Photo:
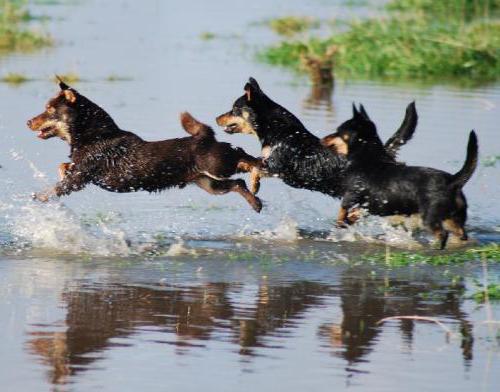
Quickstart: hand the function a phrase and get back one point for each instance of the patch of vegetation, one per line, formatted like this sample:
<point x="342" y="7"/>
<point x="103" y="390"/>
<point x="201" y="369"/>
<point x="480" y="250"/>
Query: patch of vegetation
<point x="466" y="9"/>
<point x="489" y="252"/>
<point x="289" y="26"/>
<point x="491" y="160"/>
<point x="70" y="77"/>
<point x="207" y="36"/>
<point x="463" y="43"/>
<point x="117" y="78"/>
<point x="15" y="78"/>
<point x="491" y="291"/>
<point x="14" y="36"/>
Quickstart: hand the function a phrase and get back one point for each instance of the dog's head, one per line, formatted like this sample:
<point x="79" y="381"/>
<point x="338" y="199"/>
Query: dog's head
<point x="354" y="134"/>
<point x="57" y="117"/>
<point x="242" y="118"/>
<point x="70" y="116"/>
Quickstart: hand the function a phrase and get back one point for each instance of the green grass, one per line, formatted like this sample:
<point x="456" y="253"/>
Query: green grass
<point x="14" y="35"/>
<point x="492" y="292"/>
<point x="443" y="9"/>
<point x="289" y="26"/>
<point x="491" y="160"/>
<point x="15" y="78"/>
<point x="463" y="46"/>
<point x="70" y="77"/>
<point x="117" y="78"/>
<point x="489" y="252"/>
<point x="207" y="36"/>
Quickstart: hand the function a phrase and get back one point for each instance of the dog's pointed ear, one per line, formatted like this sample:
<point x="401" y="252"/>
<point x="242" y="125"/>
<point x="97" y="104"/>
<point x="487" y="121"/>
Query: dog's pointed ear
<point x="252" y="88"/>
<point x="63" y="86"/>
<point x="363" y="112"/>
<point x="70" y="95"/>
<point x="355" y="112"/>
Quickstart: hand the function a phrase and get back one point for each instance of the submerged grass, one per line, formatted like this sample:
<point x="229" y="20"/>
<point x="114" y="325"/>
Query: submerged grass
<point x="461" y="43"/>
<point x="489" y="252"/>
<point x="14" y="36"/>
<point x="491" y="293"/>
<point x="289" y="26"/>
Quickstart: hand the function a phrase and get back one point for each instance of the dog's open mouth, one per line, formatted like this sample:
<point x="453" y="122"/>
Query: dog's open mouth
<point x="231" y="128"/>
<point x="46" y="132"/>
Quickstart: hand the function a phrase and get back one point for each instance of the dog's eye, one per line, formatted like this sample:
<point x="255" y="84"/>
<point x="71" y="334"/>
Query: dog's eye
<point x="50" y="109"/>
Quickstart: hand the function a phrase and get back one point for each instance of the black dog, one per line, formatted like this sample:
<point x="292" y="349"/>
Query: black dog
<point x="374" y="181"/>
<point x="120" y="161"/>
<point x="289" y="150"/>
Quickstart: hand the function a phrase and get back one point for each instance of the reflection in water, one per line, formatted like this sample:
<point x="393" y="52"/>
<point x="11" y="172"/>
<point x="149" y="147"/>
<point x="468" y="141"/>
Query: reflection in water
<point x="96" y="315"/>
<point x="246" y="317"/>
<point x="320" y="98"/>
<point x="366" y="301"/>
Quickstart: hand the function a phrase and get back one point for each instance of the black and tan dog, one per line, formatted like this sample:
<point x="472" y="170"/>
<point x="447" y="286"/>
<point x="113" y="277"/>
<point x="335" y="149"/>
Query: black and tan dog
<point x="289" y="150"/>
<point x="120" y="161"/>
<point x="374" y="181"/>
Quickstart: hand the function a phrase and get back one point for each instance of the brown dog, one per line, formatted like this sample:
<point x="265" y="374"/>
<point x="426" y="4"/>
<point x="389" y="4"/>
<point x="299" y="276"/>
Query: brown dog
<point x="120" y="161"/>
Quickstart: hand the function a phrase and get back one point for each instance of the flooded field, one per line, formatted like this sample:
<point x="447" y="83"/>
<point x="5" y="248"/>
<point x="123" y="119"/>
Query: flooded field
<point x="126" y="292"/>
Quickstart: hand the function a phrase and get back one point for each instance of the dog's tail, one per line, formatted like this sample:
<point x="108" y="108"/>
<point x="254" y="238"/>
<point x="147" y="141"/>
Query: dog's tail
<point x="460" y="178"/>
<point x="194" y="127"/>
<point x="405" y="131"/>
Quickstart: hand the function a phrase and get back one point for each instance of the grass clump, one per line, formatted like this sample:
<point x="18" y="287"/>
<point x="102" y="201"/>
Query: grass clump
<point x="289" y="26"/>
<point x="489" y="252"/>
<point x="491" y="160"/>
<point x="15" y="78"/>
<point x="462" y="44"/>
<point x="70" y="77"/>
<point x="207" y="36"/>
<point x="14" y="36"/>
<point x="490" y="292"/>
<point x="117" y="78"/>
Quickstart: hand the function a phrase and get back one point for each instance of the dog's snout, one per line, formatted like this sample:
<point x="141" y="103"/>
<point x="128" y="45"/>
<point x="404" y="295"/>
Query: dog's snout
<point x="29" y="123"/>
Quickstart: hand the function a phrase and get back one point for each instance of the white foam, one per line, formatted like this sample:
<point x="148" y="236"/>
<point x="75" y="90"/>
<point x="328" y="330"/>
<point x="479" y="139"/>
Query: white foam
<point x="54" y="226"/>
<point x="179" y="249"/>
<point x="286" y="230"/>
<point x="377" y="229"/>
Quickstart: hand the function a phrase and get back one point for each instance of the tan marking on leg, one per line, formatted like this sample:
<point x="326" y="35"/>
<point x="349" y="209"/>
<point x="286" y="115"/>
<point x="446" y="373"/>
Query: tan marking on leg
<point x="342" y="217"/>
<point x="63" y="168"/>
<point x="455" y="228"/>
<point x="255" y="176"/>
<point x="353" y="215"/>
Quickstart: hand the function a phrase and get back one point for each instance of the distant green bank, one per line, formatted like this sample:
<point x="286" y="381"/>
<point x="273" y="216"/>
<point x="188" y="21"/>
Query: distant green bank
<point x="15" y="34"/>
<point x="424" y="39"/>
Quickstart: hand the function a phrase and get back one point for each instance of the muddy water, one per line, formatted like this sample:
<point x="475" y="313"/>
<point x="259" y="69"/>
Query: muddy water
<point x="184" y="289"/>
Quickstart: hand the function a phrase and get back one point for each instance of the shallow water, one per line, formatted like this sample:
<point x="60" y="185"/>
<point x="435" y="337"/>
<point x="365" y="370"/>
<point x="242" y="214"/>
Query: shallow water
<point x="123" y="292"/>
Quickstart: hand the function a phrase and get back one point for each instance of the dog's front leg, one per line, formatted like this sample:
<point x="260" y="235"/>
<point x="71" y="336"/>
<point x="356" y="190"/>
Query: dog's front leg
<point x="257" y="170"/>
<point x="74" y="180"/>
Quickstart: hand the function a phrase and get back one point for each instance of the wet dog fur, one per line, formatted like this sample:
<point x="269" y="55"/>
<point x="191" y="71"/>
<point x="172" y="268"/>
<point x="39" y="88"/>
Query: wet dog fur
<point x="374" y="181"/>
<point x="120" y="161"/>
<point x="289" y="150"/>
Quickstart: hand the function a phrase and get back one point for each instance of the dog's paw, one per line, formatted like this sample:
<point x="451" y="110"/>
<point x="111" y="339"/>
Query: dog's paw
<point x="341" y="225"/>
<point x="257" y="205"/>
<point x="255" y="187"/>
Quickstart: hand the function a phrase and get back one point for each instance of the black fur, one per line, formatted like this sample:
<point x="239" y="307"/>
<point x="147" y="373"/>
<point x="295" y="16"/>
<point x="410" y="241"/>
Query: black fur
<point x="374" y="181"/>
<point x="296" y="155"/>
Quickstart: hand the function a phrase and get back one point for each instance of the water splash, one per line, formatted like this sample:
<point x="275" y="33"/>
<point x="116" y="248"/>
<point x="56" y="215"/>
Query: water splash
<point x="54" y="226"/>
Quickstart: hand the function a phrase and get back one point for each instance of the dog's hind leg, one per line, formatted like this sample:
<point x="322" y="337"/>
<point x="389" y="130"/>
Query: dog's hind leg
<point x="436" y="226"/>
<point x="221" y="187"/>
<point x="456" y="228"/>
